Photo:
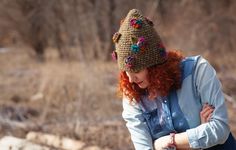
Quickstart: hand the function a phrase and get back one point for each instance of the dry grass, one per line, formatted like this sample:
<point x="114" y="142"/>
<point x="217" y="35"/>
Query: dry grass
<point x="74" y="99"/>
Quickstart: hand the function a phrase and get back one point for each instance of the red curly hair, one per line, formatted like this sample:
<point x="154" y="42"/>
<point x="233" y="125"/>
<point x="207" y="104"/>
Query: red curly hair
<point x="162" y="78"/>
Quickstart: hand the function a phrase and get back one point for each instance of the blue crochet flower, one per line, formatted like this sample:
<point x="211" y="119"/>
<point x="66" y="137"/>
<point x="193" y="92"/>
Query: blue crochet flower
<point x="162" y="49"/>
<point x="135" y="48"/>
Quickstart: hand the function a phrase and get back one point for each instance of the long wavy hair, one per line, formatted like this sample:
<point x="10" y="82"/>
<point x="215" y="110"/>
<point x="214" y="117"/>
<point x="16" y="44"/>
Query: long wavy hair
<point x="162" y="78"/>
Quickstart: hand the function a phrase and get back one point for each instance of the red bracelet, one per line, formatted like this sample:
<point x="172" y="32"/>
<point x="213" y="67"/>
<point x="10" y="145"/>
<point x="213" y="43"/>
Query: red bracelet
<point x="172" y="140"/>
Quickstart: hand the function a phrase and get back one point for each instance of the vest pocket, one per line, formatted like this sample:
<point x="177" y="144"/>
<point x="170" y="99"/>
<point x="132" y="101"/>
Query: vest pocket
<point x="159" y="123"/>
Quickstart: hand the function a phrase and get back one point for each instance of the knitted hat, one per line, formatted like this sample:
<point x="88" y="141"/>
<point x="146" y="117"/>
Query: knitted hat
<point x="137" y="44"/>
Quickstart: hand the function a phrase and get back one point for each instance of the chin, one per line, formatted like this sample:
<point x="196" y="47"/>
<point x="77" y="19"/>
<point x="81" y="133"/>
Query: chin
<point x="142" y="86"/>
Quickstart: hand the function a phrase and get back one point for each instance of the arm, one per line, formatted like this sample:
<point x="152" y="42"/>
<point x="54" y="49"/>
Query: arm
<point x="181" y="139"/>
<point x="208" y="87"/>
<point x="137" y="126"/>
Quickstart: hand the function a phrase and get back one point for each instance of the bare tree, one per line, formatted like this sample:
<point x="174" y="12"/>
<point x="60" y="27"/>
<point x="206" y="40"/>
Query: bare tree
<point x="28" y="18"/>
<point x="87" y="25"/>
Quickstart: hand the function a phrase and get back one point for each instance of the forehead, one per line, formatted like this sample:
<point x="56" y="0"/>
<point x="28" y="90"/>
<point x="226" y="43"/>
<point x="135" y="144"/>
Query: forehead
<point x="143" y="71"/>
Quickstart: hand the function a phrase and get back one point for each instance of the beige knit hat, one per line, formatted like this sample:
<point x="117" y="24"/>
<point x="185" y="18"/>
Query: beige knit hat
<point x="137" y="43"/>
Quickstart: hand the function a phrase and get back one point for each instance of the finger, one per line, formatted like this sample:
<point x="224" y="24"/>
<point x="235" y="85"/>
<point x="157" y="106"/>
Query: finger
<point x="212" y="106"/>
<point x="204" y="106"/>
<point x="203" y="120"/>
<point x="209" y="118"/>
<point x="207" y="113"/>
<point x="205" y="110"/>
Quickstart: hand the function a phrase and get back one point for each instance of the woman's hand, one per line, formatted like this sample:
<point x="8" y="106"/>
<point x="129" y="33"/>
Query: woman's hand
<point x="206" y="113"/>
<point x="162" y="143"/>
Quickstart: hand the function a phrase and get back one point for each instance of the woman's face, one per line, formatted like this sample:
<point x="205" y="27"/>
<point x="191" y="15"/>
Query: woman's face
<point x="140" y="78"/>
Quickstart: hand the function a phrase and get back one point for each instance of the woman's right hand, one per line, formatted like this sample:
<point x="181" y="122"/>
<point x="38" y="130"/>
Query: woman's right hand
<point x="206" y="113"/>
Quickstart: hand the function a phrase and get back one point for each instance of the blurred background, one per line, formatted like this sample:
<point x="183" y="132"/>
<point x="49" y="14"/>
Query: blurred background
<point x="56" y="73"/>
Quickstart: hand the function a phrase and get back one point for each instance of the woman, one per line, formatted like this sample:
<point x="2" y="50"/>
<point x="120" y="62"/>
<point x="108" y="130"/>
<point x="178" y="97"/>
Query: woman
<point x="164" y="92"/>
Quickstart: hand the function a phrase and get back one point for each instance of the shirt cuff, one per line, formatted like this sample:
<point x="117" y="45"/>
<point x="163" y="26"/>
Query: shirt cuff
<point x="193" y="138"/>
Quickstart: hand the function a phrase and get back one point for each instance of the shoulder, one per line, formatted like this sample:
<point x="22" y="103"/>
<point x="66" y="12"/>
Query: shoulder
<point x="196" y="66"/>
<point x="188" y="65"/>
<point x="192" y="63"/>
<point x="203" y="67"/>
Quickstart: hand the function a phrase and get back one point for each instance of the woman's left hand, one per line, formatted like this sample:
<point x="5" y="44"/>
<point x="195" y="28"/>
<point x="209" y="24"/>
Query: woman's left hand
<point x="206" y="113"/>
<point x="162" y="142"/>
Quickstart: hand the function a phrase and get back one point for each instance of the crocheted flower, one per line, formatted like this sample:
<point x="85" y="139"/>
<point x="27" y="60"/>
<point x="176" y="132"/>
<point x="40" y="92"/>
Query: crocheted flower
<point x="162" y="49"/>
<point x="129" y="61"/>
<point x="135" y="48"/>
<point x="136" y="23"/>
<point x="116" y="37"/>
<point x="141" y="42"/>
<point x="114" y="55"/>
<point x="138" y="44"/>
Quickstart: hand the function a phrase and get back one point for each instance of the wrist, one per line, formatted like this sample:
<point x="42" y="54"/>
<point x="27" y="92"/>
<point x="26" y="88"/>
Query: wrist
<point x="172" y="140"/>
<point x="181" y="140"/>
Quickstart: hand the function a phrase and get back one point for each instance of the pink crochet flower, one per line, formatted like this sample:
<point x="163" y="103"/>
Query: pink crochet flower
<point x="136" y="23"/>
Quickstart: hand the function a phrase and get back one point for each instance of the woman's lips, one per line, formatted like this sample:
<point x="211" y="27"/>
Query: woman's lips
<point x="139" y="82"/>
